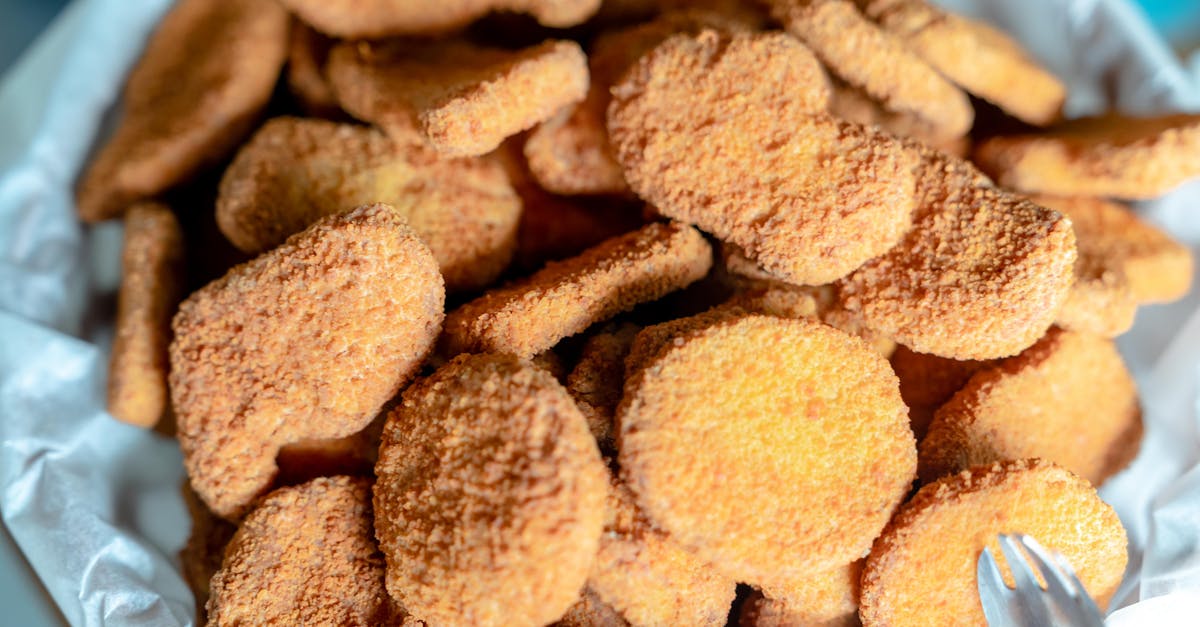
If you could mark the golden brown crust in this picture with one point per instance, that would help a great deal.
(305, 342)
(307, 52)
(738, 408)
(928, 381)
(775, 298)
(825, 599)
(567, 297)
(975, 56)
(294, 171)
(201, 556)
(921, 571)
(853, 105)
(598, 380)
(490, 495)
(1100, 301)
(463, 98)
(877, 62)
(206, 74)
(1115, 156)
(1067, 399)
(151, 286)
(756, 162)
(321, 528)
(373, 19)
(981, 274)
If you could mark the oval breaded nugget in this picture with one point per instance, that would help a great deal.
(305, 342)
(825, 599)
(793, 432)
(598, 379)
(305, 556)
(206, 74)
(921, 571)
(977, 57)
(1115, 156)
(981, 274)
(1100, 301)
(928, 381)
(490, 495)
(877, 62)
(1067, 399)
(151, 286)
(728, 132)
(294, 171)
(373, 19)
(464, 99)
(567, 297)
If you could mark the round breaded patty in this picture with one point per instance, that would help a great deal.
(1067, 399)
(772, 447)
(305, 556)
(921, 571)
(490, 495)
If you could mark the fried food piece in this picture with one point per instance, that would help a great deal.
(921, 571)
(817, 411)
(1117, 156)
(490, 495)
(1157, 268)
(201, 556)
(1100, 301)
(1067, 399)
(651, 340)
(975, 56)
(727, 132)
(853, 105)
(151, 286)
(790, 301)
(305, 342)
(826, 599)
(373, 19)
(981, 274)
(590, 611)
(928, 381)
(567, 297)
(598, 380)
(307, 52)
(204, 78)
(464, 99)
(295, 171)
(323, 527)
(879, 63)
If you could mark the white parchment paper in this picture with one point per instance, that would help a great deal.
(94, 504)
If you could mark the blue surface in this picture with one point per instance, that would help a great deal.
(21, 21)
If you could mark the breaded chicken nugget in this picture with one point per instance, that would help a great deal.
(490, 495)
(651, 340)
(294, 171)
(981, 274)
(373, 19)
(1100, 301)
(305, 342)
(790, 301)
(201, 556)
(1117, 156)
(853, 105)
(737, 409)
(305, 556)
(567, 297)
(977, 57)
(598, 379)
(727, 132)
(877, 62)
(921, 571)
(825, 599)
(1067, 399)
(206, 74)
(590, 611)
(151, 286)
(928, 381)
(463, 98)
(307, 52)
(1157, 268)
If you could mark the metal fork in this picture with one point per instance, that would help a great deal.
(1062, 602)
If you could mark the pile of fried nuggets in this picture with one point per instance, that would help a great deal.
(470, 360)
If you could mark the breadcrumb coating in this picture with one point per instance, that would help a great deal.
(853, 105)
(151, 287)
(981, 275)
(741, 407)
(876, 61)
(820, 301)
(652, 339)
(205, 76)
(921, 571)
(1114, 156)
(308, 51)
(1067, 399)
(490, 495)
(567, 297)
(825, 599)
(294, 171)
(373, 19)
(598, 379)
(464, 99)
(980, 59)
(727, 132)
(307, 341)
(1100, 301)
(928, 381)
(305, 556)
